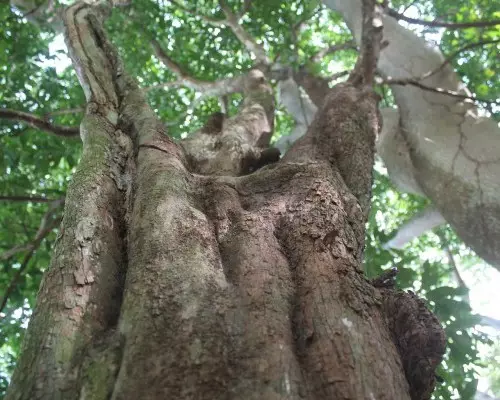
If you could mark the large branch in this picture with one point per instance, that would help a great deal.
(336, 134)
(453, 154)
(39, 123)
(370, 44)
(238, 145)
(299, 106)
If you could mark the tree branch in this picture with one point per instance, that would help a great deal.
(454, 54)
(371, 39)
(47, 223)
(63, 112)
(448, 25)
(351, 45)
(39, 123)
(33, 199)
(15, 279)
(187, 10)
(232, 20)
(452, 93)
(451, 260)
(216, 89)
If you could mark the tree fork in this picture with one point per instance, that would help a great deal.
(237, 286)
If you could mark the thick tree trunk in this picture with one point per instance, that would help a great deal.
(181, 275)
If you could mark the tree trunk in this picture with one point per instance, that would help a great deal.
(194, 271)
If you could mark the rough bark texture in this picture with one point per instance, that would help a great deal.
(237, 285)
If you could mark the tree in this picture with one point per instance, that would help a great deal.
(250, 261)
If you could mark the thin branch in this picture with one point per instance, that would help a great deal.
(456, 53)
(451, 261)
(33, 199)
(207, 88)
(451, 93)
(187, 10)
(164, 85)
(232, 20)
(453, 264)
(171, 64)
(15, 279)
(63, 112)
(39, 123)
(47, 223)
(448, 25)
(408, 6)
(351, 45)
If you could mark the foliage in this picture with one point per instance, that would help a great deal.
(38, 164)
(493, 366)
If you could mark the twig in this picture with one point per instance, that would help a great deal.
(454, 54)
(451, 93)
(44, 229)
(351, 45)
(39, 123)
(15, 279)
(408, 6)
(449, 25)
(187, 10)
(451, 261)
(232, 20)
(47, 224)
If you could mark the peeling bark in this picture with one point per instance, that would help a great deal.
(179, 274)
